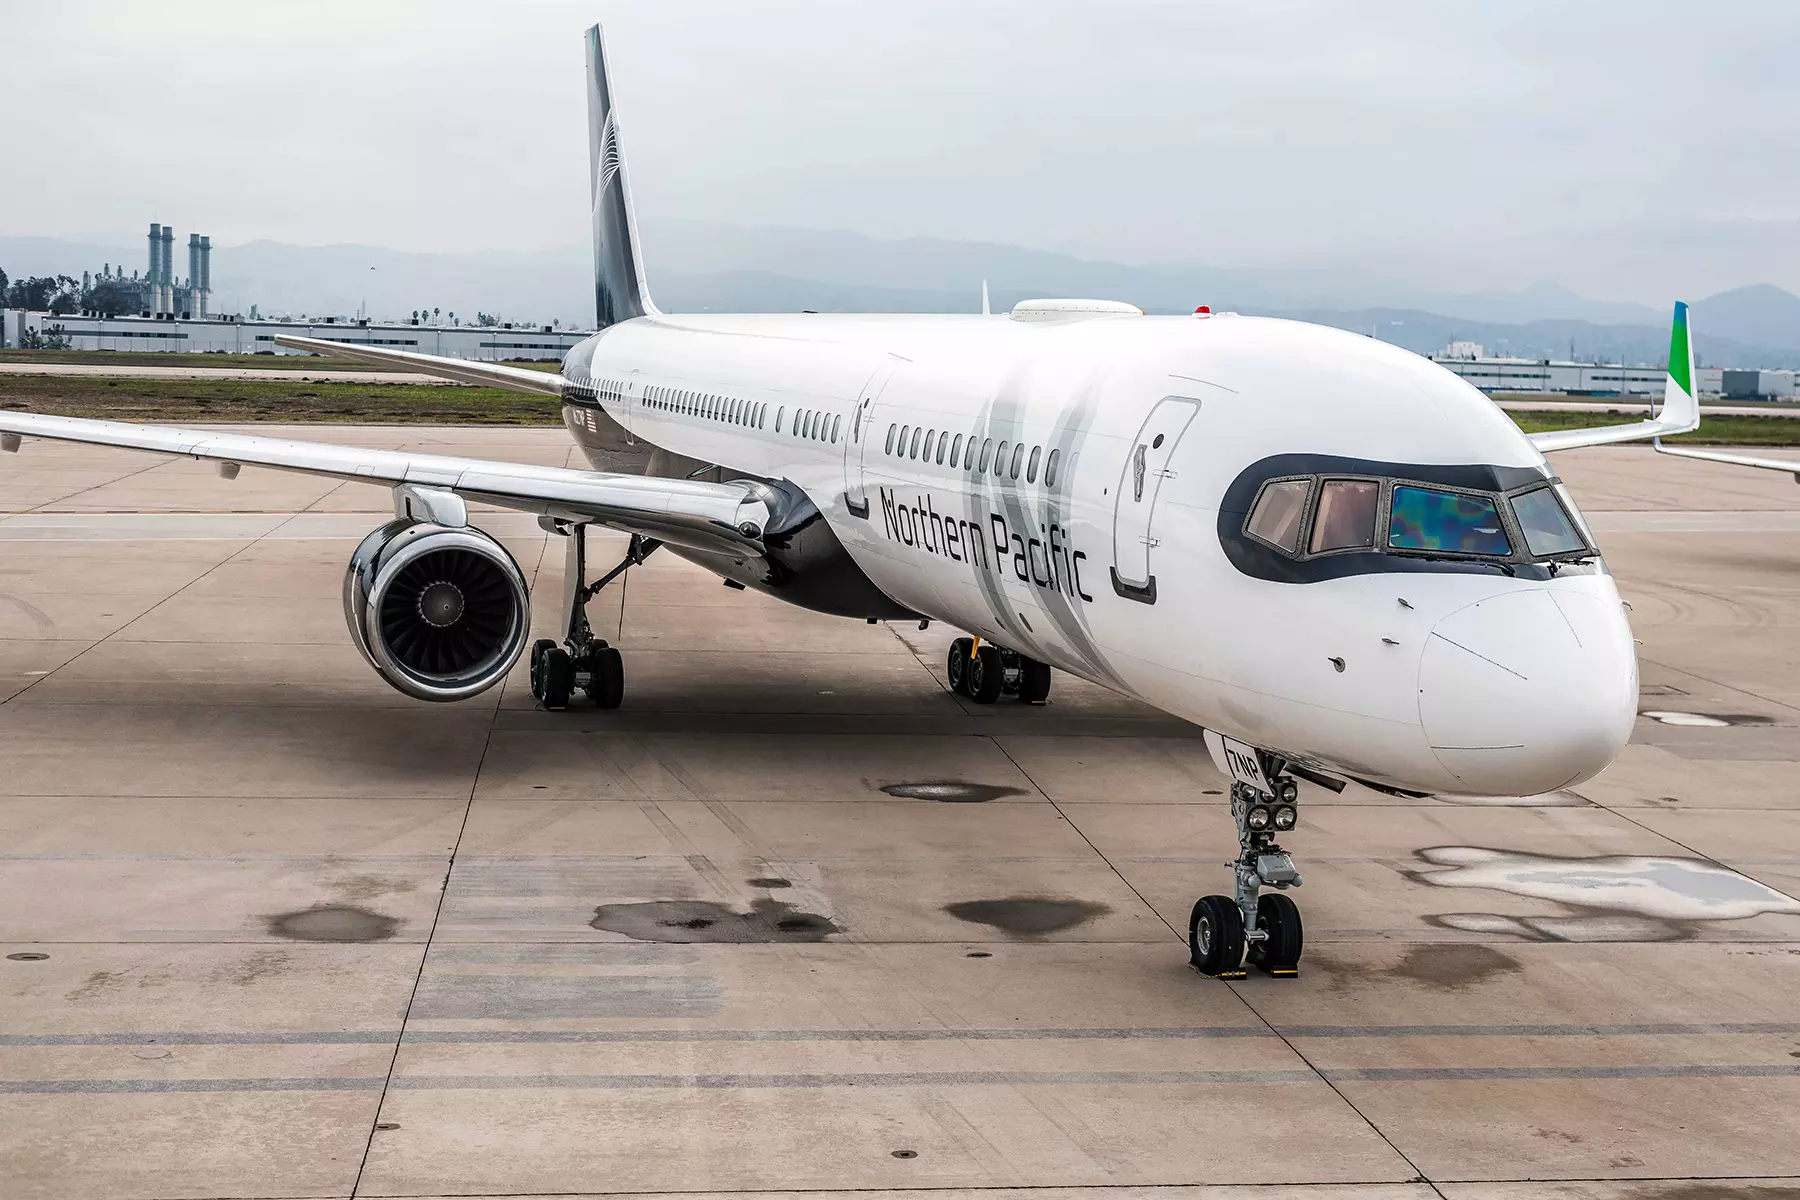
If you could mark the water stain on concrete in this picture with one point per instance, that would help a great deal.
(1027, 916)
(1696, 1190)
(1452, 966)
(951, 791)
(706, 921)
(258, 964)
(1611, 898)
(333, 923)
(1704, 720)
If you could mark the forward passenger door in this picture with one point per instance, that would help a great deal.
(1140, 482)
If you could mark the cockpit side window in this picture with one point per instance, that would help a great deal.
(1547, 528)
(1427, 519)
(1346, 518)
(1279, 512)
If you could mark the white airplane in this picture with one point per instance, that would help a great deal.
(1339, 559)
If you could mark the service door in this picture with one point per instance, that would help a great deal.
(1141, 480)
(856, 497)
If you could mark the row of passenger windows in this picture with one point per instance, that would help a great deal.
(808, 422)
(811, 423)
(707, 406)
(1329, 516)
(1007, 460)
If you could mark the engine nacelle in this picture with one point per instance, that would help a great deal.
(440, 613)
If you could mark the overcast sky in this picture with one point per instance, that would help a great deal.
(1620, 147)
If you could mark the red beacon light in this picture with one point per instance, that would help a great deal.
(1205, 310)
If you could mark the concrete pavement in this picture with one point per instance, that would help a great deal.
(268, 928)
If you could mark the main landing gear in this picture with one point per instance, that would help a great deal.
(1221, 926)
(984, 672)
(583, 661)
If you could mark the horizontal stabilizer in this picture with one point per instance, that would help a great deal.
(462, 370)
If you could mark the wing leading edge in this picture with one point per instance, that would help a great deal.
(463, 370)
(712, 517)
(1680, 407)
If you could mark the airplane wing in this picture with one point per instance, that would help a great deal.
(713, 517)
(1680, 407)
(518, 379)
(1736, 460)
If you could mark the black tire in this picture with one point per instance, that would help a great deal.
(606, 677)
(1279, 917)
(539, 648)
(558, 671)
(1034, 680)
(956, 666)
(986, 674)
(1216, 936)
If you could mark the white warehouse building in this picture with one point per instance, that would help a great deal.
(1563, 377)
(216, 335)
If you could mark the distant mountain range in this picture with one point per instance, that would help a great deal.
(708, 268)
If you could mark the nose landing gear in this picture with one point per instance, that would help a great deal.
(1221, 927)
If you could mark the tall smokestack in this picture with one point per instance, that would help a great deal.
(194, 304)
(168, 268)
(154, 276)
(203, 283)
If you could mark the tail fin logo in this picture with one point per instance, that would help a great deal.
(609, 155)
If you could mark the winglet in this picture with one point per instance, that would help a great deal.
(1680, 411)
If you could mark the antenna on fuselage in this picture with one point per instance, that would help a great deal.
(985, 311)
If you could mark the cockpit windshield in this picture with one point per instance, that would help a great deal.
(1311, 517)
(1429, 519)
(1547, 528)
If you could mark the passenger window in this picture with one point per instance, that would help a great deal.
(956, 449)
(1276, 516)
(1427, 519)
(1050, 469)
(1346, 519)
(930, 437)
(813, 428)
(1031, 467)
(1546, 526)
(905, 430)
(1018, 456)
(1000, 458)
(836, 425)
(943, 442)
(890, 438)
(987, 445)
(913, 450)
(779, 413)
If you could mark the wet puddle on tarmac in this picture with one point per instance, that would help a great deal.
(951, 791)
(1614, 898)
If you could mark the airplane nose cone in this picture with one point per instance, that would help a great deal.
(1529, 691)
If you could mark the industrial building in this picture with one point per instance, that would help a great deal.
(234, 336)
(157, 292)
(1568, 378)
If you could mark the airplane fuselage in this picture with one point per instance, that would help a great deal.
(1075, 487)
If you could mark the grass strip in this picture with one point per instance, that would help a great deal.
(211, 400)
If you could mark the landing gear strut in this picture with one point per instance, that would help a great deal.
(583, 661)
(1220, 927)
(984, 672)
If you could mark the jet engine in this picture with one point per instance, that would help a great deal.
(440, 613)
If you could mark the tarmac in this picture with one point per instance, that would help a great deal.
(798, 918)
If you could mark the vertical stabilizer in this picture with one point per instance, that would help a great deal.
(619, 290)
